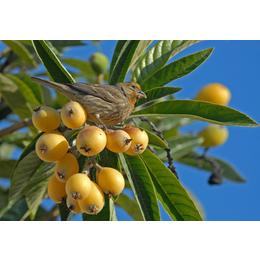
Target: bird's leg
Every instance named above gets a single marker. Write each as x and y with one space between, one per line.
98 117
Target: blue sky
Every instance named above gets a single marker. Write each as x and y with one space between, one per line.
236 65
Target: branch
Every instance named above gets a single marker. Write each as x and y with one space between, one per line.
168 150
9 130
217 171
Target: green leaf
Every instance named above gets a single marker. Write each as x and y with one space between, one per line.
126 50
26 91
142 186
180 146
59 44
130 206
156 57
15 212
17 138
6 168
156 93
175 70
142 46
106 214
83 66
229 172
51 62
170 192
36 187
18 48
199 110
117 53
14 97
25 167
154 140
108 159
35 88
65 214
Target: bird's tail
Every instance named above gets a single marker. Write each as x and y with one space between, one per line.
62 88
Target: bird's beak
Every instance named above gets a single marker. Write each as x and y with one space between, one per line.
141 94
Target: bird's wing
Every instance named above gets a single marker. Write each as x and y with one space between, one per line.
108 93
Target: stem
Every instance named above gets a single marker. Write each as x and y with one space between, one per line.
217 171
9 130
168 150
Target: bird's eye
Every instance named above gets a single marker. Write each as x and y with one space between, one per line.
133 87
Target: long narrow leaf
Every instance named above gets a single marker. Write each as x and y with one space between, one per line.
117 53
142 46
123 62
229 172
175 70
6 168
170 192
199 110
180 146
18 48
156 93
130 206
142 186
22 173
25 167
14 98
36 187
157 56
51 62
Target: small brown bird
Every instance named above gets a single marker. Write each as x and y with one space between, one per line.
105 104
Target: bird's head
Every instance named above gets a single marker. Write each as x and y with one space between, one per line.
132 90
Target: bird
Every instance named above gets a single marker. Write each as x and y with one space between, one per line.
107 105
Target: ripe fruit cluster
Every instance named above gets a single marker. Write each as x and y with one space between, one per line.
80 192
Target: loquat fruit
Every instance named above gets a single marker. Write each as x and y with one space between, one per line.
94 202
46 119
214 135
73 115
65 167
56 190
110 181
118 141
139 140
51 147
215 93
73 206
91 140
78 186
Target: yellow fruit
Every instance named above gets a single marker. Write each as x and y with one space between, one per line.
65 167
73 206
118 141
73 115
215 93
139 140
94 202
214 135
56 190
91 141
78 186
110 181
46 119
51 147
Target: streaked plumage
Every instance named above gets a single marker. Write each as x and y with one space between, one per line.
111 103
